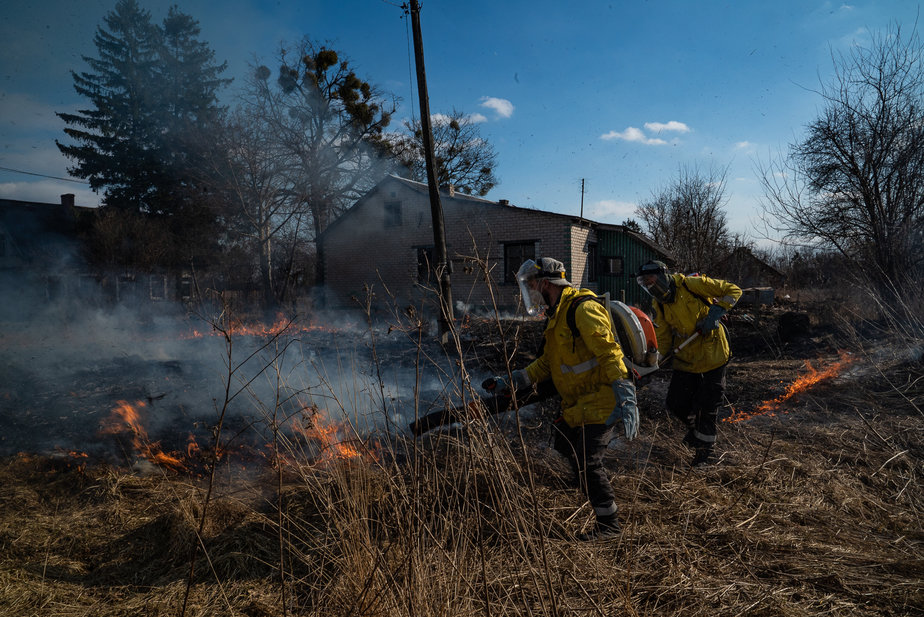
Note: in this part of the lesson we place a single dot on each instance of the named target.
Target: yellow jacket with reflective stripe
(583, 369)
(676, 321)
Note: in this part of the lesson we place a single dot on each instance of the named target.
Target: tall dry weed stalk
(234, 386)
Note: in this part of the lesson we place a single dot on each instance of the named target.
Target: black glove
(499, 385)
(711, 321)
(496, 385)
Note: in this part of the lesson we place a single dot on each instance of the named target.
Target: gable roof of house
(744, 253)
(460, 198)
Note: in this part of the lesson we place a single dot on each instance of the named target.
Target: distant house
(757, 278)
(39, 253)
(384, 242)
(745, 269)
(41, 263)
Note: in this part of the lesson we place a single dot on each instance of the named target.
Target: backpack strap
(570, 316)
(683, 282)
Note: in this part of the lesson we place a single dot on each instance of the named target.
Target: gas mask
(655, 280)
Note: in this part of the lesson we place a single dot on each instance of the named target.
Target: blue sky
(618, 94)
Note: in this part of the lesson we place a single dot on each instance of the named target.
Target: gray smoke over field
(64, 368)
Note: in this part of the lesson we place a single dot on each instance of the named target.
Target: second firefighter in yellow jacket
(684, 306)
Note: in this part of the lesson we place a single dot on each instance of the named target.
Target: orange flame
(317, 427)
(282, 323)
(126, 418)
(800, 385)
(192, 447)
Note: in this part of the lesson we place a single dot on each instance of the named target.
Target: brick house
(385, 242)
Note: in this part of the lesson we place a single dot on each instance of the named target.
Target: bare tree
(327, 123)
(855, 184)
(463, 157)
(253, 172)
(687, 217)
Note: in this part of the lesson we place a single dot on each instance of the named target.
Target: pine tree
(153, 95)
(190, 119)
(117, 137)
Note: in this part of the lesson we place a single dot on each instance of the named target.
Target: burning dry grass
(814, 510)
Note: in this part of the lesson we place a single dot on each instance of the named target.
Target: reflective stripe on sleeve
(583, 367)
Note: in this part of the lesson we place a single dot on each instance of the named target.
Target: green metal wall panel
(616, 244)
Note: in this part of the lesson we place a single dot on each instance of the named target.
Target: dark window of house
(392, 214)
(612, 265)
(424, 264)
(591, 263)
(2, 245)
(127, 288)
(87, 285)
(515, 253)
(186, 287)
(158, 283)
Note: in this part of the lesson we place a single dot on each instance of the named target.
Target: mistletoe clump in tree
(321, 126)
(462, 157)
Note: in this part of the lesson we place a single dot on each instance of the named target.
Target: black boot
(703, 458)
(606, 528)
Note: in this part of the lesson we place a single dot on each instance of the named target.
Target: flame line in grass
(325, 440)
(282, 323)
(126, 418)
(800, 385)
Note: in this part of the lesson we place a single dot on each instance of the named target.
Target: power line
(30, 173)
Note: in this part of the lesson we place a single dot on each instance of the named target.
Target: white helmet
(548, 269)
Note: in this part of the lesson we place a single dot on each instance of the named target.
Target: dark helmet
(655, 278)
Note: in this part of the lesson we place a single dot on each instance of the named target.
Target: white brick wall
(358, 250)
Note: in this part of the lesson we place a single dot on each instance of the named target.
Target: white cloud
(743, 145)
(502, 107)
(673, 125)
(612, 210)
(440, 119)
(633, 134)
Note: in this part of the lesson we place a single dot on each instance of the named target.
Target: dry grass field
(815, 508)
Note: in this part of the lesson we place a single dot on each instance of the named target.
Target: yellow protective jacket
(676, 321)
(584, 368)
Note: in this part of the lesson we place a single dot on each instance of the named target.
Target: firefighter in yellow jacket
(684, 305)
(589, 373)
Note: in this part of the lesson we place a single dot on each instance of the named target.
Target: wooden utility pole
(436, 207)
(582, 199)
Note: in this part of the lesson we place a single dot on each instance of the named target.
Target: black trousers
(584, 447)
(694, 398)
